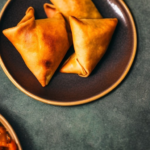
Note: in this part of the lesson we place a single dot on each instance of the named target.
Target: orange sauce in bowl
(6, 143)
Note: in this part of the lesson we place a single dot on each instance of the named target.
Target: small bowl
(10, 130)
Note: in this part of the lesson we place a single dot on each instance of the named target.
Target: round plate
(10, 130)
(70, 89)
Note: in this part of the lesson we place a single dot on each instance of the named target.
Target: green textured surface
(118, 121)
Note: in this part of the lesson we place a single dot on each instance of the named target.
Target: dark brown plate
(70, 89)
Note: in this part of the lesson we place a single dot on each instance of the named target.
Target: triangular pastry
(91, 38)
(42, 43)
(76, 8)
(83, 9)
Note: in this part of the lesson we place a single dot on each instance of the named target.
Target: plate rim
(87, 100)
(10, 130)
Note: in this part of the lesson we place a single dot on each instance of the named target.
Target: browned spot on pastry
(47, 63)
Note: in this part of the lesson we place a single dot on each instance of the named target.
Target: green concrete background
(118, 121)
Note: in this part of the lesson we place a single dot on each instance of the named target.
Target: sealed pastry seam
(83, 73)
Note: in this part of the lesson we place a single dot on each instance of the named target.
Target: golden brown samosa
(82, 9)
(42, 43)
(91, 38)
(77, 8)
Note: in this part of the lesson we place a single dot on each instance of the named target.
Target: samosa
(78, 8)
(91, 38)
(42, 43)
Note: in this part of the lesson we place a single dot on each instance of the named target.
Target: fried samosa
(91, 38)
(41, 43)
(82, 9)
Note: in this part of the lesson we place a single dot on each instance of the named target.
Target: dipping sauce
(6, 143)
